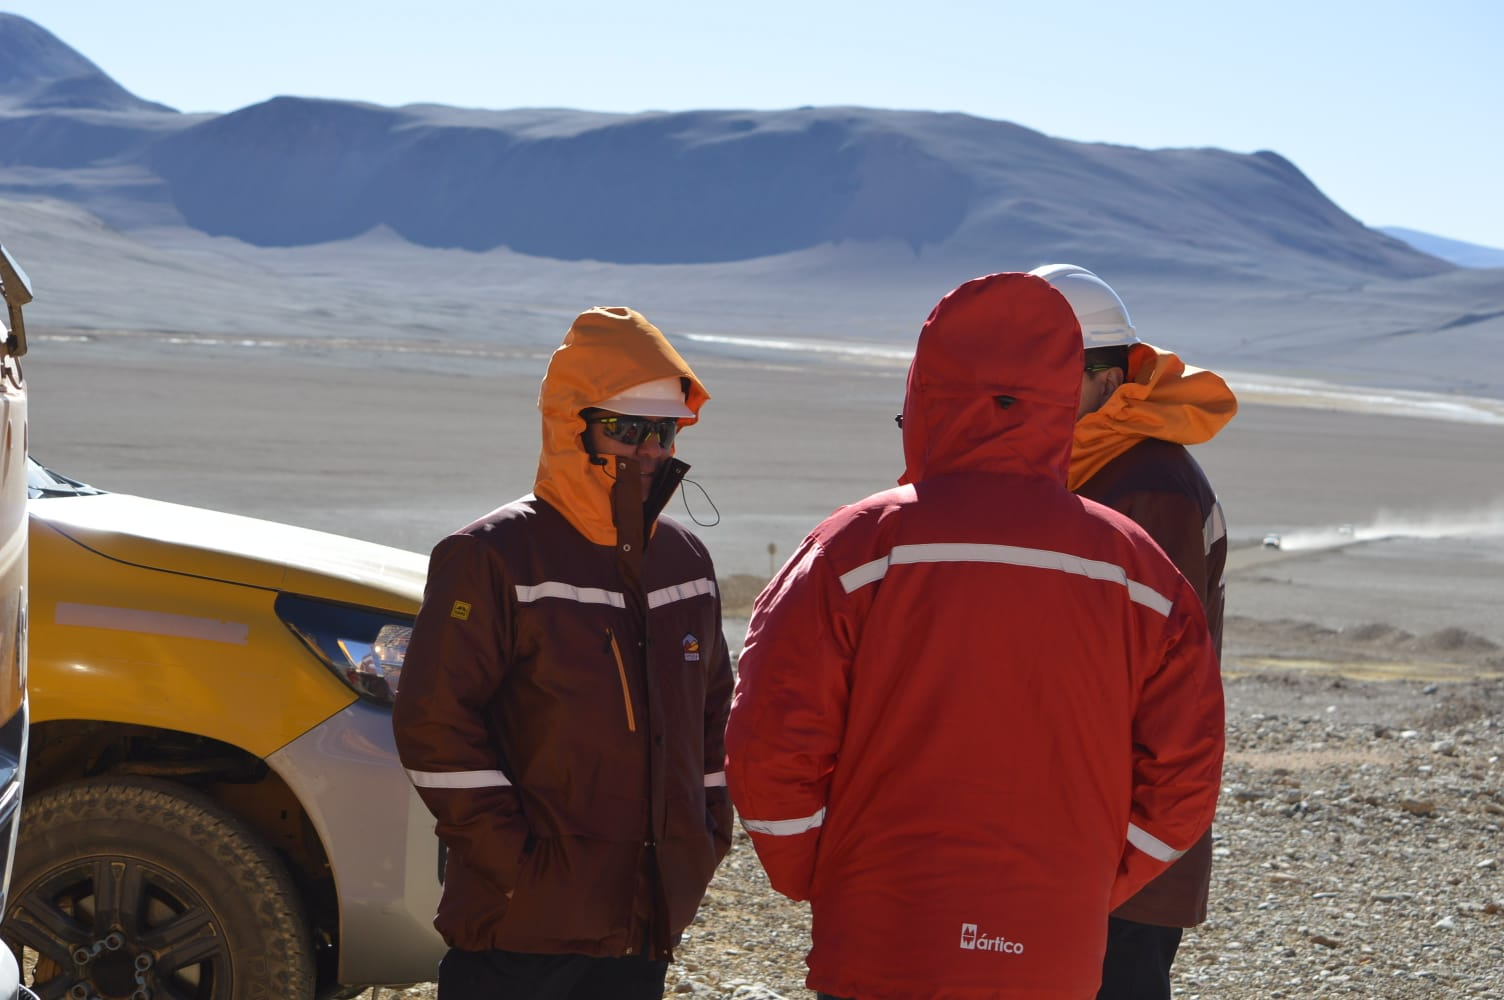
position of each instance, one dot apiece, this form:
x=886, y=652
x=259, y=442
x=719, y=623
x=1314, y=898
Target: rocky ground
x=1358, y=848
x=1358, y=841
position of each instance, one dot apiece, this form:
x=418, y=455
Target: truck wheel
x=141, y=888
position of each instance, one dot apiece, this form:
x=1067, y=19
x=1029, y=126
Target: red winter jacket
x=973, y=714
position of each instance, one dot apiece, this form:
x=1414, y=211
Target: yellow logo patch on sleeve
x=461, y=610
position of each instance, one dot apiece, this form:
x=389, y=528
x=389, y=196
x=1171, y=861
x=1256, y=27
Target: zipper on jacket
x=621, y=671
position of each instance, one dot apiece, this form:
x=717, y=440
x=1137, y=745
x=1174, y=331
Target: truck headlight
x=363, y=647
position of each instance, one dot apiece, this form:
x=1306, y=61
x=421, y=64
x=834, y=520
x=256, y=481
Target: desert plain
x=1388, y=506
x=1359, y=835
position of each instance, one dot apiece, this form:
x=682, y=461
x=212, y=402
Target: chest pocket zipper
x=621, y=671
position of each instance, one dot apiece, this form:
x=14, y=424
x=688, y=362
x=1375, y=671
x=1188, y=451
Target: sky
x=1395, y=110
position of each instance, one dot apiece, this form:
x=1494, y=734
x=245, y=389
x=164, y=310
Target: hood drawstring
x=684, y=497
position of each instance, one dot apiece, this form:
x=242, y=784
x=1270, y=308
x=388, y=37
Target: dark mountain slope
x=711, y=186
x=658, y=188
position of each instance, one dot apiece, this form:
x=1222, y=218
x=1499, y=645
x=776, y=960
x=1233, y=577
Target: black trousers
x=1137, y=963
x=511, y=975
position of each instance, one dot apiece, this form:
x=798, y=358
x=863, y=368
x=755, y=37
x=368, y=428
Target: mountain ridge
x=306, y=221
x=695, y=187
x=1459, y=252
x=38, y=72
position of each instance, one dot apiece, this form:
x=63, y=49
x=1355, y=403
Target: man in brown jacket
x=564, y=697
x=1140, y=406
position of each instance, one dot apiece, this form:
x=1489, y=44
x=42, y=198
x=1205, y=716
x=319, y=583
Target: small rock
x=1418, y=807
x=1445, y=923
x=755, y=991
x=1325, y=941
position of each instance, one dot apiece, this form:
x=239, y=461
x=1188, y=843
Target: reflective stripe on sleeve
x=716, y=779
x=1215, y=528
x=864, y=574
x=681, y=592
x=568, y=592
x=459, y=779
x=1151, y=845
x=1010, y=555
x=784, y=827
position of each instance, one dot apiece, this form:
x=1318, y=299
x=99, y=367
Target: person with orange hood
x=565, y=692
x=1140, y=407
x=975, y=713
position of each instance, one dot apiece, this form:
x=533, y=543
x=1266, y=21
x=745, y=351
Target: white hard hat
x=1102, y=315
x=663, y=397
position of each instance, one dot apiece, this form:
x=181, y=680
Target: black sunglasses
x=633, y=431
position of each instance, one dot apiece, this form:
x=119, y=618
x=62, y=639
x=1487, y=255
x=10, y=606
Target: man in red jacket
x=1140, y=407
x=974, y=712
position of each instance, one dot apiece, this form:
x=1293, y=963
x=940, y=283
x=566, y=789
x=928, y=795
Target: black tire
x=157, y=888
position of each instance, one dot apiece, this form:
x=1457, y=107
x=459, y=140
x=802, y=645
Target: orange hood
x=1163, y=398
x=607, y=350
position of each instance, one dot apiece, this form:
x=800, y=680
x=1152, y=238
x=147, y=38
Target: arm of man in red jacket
x=789, y=715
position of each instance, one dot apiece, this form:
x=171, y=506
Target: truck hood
x=242, y=550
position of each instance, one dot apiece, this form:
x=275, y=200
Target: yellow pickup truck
x=214, y=804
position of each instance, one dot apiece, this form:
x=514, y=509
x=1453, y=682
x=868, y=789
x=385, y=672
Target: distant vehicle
x=215, y=808
x=15, y=288
x=1272, y=541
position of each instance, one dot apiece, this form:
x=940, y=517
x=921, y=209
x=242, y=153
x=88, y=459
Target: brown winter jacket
x=1130, y=456
x=564, y=697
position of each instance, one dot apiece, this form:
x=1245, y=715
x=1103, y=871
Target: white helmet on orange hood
x=1102, y=315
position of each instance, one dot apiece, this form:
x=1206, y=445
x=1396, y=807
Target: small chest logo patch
x=461, y=610
x=691, y=649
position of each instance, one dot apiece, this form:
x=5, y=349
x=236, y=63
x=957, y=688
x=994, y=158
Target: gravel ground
x=1358, y=853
